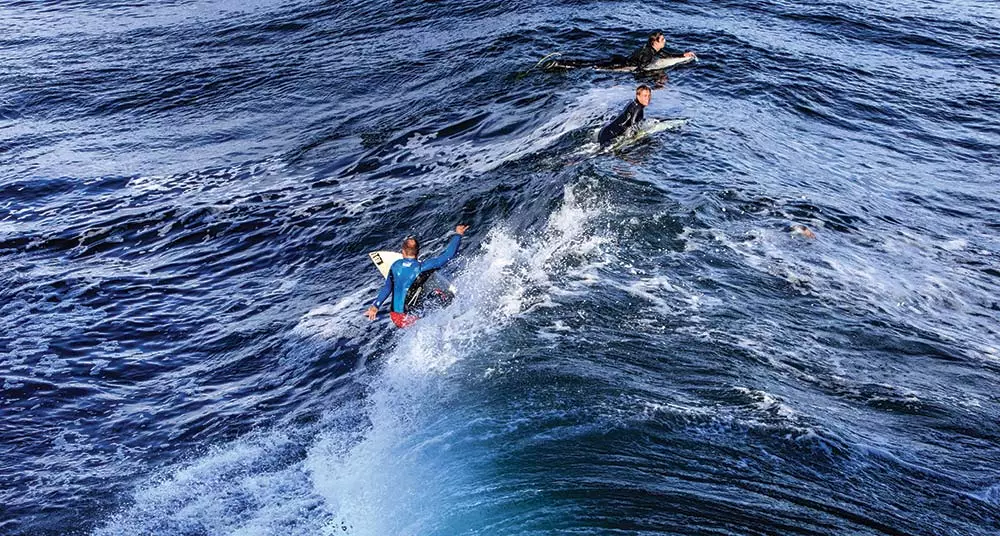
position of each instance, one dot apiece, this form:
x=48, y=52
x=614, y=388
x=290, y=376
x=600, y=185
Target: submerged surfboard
x=434, y=289
x=647, y=128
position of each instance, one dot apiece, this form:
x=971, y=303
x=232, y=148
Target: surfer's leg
x=614, y=62
x=567, y=64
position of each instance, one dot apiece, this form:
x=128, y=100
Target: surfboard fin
x=545, y=59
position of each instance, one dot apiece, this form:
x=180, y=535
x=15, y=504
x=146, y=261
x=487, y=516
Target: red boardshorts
x=402, y=320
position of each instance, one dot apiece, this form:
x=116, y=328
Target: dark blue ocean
x=644, y=341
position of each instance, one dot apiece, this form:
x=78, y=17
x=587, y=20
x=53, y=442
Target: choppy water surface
x=642, y=344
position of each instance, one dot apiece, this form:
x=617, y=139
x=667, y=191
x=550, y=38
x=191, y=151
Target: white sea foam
x=448, y=160
x=902, y=271
x=768, y=402
x=388, y=464
x=332, y=320
x=386, y=482
x=990, y=495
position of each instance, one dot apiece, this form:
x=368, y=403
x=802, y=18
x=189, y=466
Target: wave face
x=779, y=317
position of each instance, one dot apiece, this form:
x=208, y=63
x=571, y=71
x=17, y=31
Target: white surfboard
x=658, y=64
x=647, y=128
x=667, y=63
x=383, y=260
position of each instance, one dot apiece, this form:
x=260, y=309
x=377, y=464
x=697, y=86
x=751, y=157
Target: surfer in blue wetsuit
x=628, y=119
x=408, y=274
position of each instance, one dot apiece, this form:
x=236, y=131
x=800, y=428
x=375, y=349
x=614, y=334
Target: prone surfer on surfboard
x=652, y=56
x=407, y=275
x=628, y=119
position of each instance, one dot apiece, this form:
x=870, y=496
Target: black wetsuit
x=639, y=59
x=629, y=118
x=646, y=55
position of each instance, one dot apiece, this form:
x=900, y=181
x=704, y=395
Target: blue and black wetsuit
x=408, y=275
x=630, y=117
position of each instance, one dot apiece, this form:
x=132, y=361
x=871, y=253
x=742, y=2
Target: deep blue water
x=642, y=344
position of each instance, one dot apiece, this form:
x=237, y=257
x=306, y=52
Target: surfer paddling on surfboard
x=651, y=57
x=628, y=119
x=653, y=50
x=407, y=275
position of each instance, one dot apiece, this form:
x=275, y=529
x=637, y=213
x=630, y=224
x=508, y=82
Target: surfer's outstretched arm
x=449, y=252
x=674, y=53
x=372, y=311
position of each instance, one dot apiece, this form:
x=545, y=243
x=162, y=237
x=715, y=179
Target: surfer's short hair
x=411, y=246
x=641, y=88
x=655, y=36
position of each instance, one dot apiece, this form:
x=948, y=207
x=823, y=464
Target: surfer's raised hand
x=461, y=229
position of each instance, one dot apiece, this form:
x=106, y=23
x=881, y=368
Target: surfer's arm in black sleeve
x=630, y=116
x=642, y=57
x=616, y=127
x=664, y=53
x=633, y=116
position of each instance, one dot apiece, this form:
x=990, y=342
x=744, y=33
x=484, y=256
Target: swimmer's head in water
x=657, y=41
x=411, y=246
x=642, y=94
x=803, y=231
